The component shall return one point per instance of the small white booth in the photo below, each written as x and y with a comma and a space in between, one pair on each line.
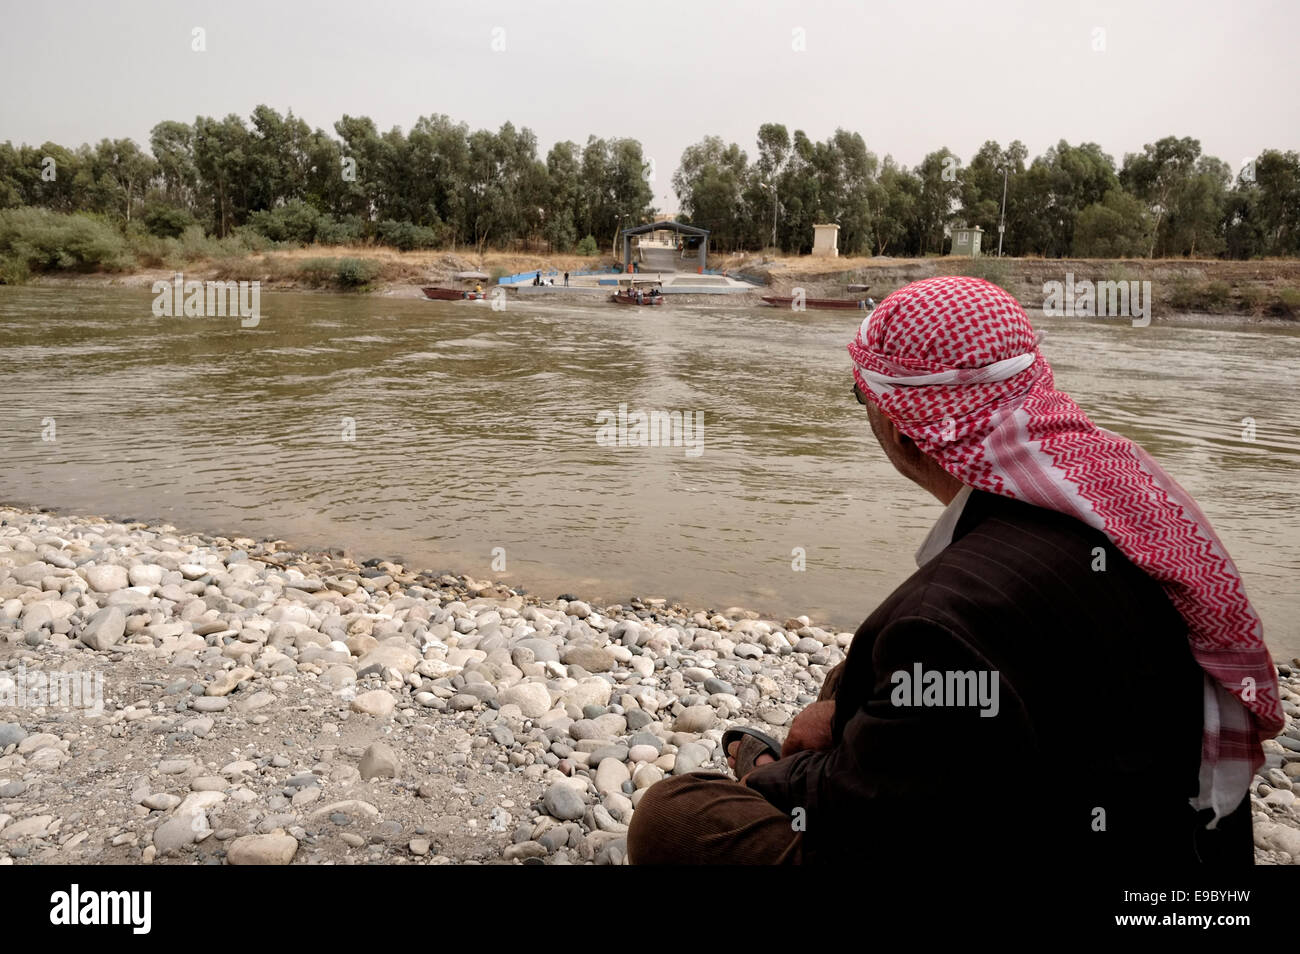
826, 240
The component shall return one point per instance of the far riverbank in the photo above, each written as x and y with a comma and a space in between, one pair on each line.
1181, 290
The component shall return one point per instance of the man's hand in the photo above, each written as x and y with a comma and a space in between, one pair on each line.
811, 729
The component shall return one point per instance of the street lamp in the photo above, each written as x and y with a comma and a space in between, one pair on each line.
771, 189
1002, 222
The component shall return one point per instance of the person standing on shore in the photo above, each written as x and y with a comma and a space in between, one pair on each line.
1074, 671
566, 279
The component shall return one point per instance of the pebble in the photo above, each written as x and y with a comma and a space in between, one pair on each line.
275, 848
611, 773
161, 802
696, 719
106, 578
378, 761
689, 758
378, 702
590, 658
526, 849
11, 733
647, 775
532, 698
177, 832
105, 628
563, 802
145, 574
643, 753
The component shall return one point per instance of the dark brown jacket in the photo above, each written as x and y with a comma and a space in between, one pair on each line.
1094, 751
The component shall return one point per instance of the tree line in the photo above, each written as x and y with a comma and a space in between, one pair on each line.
438, 185
443, 185
1169, 200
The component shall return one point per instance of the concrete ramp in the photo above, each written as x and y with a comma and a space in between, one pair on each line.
660, 260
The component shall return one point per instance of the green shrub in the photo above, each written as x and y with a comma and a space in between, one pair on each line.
1287, 302
153, 251
317, 271
194, 243
246, 239
1215, 294
295, 221
1183, 295
13, 271
345, 272
356, 272
349, 230
40, 240
165, 220
406, 236
1254, 298
588, 247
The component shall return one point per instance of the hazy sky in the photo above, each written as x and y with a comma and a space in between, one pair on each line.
910, 76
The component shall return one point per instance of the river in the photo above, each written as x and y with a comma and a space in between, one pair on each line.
453, 436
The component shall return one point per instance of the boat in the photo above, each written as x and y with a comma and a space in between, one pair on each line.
473, 290
849, 304
453, 294
627, 298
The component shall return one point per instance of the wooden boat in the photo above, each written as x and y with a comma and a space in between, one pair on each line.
453, 294
849, 304
627, 298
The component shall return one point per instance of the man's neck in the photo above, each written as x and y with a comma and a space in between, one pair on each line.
945, 487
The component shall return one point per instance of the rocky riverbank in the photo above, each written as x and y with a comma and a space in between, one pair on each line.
240, 701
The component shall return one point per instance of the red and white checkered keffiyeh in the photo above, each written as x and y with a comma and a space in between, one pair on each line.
954, 363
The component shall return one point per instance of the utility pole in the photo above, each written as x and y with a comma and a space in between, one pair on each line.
1002, 222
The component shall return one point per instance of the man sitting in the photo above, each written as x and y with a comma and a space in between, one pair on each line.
1074, 674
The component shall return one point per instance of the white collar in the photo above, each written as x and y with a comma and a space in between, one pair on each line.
941, 533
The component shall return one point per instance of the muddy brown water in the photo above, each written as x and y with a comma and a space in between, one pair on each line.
456, 436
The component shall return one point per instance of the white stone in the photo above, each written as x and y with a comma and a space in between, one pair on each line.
277, 848
589, 692
532, 698
377, 702
610, 776
106, 578
145, 574
105, 628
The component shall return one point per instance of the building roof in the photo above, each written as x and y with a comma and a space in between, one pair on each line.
657, 226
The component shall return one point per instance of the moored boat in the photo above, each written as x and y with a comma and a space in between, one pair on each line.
629, 298
453, 294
